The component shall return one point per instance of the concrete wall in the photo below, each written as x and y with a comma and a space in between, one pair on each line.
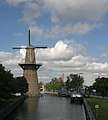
89, 114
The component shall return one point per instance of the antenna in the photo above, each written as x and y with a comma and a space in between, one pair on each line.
29, 37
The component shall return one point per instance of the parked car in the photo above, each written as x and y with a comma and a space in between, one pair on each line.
76, 97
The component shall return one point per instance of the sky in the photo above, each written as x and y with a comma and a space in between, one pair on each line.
75, 32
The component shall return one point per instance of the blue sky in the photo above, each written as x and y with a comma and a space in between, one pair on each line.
75, 32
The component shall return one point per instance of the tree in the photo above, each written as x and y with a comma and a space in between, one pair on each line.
67, 83
101, 86
6, 79
74, 81
55, 84
9, 84
22, 85
48, 86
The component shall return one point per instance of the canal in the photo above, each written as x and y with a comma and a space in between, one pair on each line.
48, 107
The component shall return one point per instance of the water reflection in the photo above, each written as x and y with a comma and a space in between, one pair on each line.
48, 108
31, 106
26, 111
59, 108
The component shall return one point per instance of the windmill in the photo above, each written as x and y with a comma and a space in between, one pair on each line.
30, 68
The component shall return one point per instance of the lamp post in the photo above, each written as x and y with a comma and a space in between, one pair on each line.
97, 111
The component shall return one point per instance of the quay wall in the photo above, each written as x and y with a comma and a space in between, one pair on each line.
7, 110
88, 112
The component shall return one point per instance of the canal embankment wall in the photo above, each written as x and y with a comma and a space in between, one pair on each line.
88, 112
7, 110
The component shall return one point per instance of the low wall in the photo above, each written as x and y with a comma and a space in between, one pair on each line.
7, 110
88, 112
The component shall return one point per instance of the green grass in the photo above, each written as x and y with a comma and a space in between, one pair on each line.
103, 107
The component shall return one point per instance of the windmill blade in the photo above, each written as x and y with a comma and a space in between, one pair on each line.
28, 48
40, 47
29, 37
18, 47
29, 45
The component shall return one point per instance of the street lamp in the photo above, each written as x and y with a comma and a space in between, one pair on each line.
97, 111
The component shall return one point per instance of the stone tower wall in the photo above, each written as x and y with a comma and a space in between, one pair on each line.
30, 72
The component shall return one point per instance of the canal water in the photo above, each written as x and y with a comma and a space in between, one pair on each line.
48, 107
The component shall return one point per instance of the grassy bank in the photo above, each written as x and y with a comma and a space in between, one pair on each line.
102, 112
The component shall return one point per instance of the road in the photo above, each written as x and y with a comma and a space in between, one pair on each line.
48, 107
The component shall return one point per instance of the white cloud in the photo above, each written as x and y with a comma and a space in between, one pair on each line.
63, 50
79, 28
65, 57
76, 10
97, 67
56, 62
10, 61
74, 17
16, 2
31, 11
67, 17
76, 61
104, 55
62, 31
37, 31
